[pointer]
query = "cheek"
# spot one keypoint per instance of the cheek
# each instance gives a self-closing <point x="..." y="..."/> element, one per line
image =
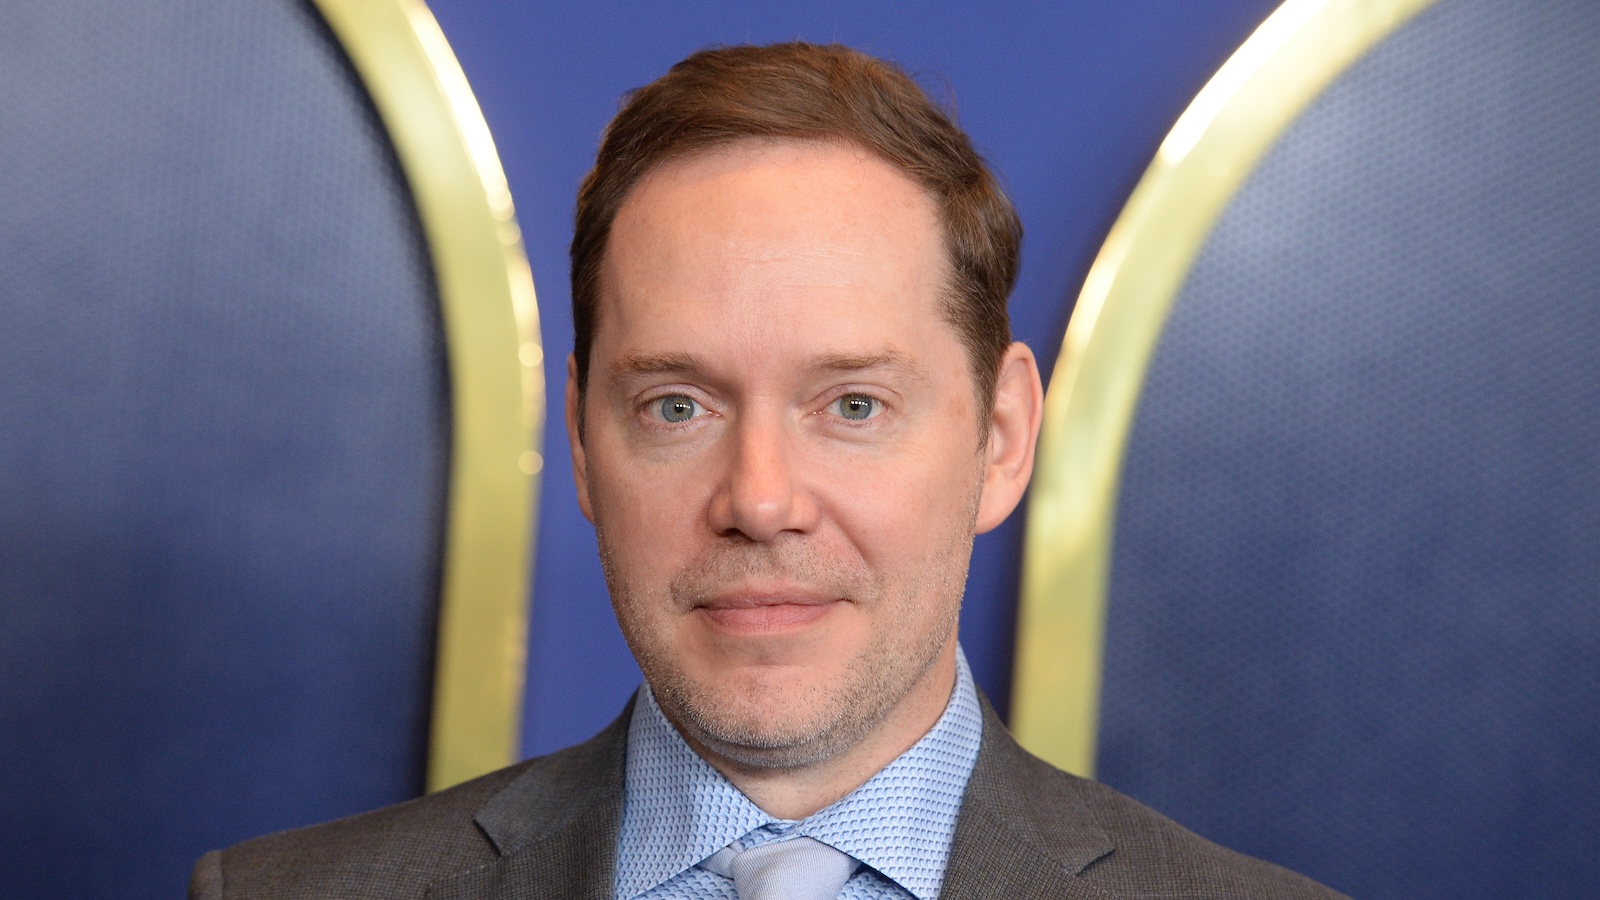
<point x="624" y="488"/>
<point x="653" y="513"/>
<point x="899" y="513"/>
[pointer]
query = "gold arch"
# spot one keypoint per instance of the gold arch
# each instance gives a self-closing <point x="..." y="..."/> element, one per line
<point x="1118" y="318"/>
<point x="496" y="375"/>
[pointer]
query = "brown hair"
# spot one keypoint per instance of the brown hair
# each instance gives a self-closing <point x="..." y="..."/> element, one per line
<point x="800" y="91"/>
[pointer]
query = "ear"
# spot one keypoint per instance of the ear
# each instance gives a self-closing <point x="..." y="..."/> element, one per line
<point x="1013" y="432"/>
<point x="580" y="466"/>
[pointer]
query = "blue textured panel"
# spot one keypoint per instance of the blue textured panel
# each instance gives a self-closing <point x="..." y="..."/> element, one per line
<point x="222" y="441"/>
<point x="1353" y="623"/>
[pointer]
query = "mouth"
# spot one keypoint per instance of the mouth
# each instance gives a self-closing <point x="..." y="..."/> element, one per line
<point x="764" y="612"/>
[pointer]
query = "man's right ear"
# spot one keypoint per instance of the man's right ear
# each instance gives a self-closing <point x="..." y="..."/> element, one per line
<point x="580" y="465"/>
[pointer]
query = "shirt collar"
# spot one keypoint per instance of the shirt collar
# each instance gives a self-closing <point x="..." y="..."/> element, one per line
<point x="678" y="810"/>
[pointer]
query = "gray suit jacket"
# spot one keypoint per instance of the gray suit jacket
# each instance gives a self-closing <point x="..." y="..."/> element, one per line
<point x="547" y="828"/>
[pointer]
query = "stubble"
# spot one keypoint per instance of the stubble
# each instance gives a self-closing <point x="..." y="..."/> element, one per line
<point x="776" y="721"/>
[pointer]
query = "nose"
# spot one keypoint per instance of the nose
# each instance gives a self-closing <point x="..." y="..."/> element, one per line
<point x="762" y="492"/>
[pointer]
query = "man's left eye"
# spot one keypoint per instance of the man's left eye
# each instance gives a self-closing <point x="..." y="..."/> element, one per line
<point x="857" y="407"/>
<point x="676" y="408"/>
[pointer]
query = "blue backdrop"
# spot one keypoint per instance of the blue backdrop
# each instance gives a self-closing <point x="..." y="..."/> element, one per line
<point x="222" y="468"/>
<point x="223" y="442"/>
<point x="1068" y="101"/>
<point x="1351" y="624"/>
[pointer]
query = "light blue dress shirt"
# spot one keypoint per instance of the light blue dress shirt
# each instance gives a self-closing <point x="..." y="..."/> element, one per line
<point x="678" y="810"/>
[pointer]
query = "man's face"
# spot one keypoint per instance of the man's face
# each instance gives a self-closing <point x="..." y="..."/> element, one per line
<point x="781" y="452"/>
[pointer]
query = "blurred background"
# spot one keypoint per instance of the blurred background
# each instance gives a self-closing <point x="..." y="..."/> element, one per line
<point x="1352" y="621"/>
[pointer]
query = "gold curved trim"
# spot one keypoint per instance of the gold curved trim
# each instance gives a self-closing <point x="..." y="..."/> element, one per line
<point x="1089" y="408"/>
<point x="496" y="375"/>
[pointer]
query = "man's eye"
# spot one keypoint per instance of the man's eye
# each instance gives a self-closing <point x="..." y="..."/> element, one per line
<point x="857" y="407"/>
<point x="676" y="408"/>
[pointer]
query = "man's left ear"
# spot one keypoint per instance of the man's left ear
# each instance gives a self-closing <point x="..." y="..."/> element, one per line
<point x="1013" y="432"/>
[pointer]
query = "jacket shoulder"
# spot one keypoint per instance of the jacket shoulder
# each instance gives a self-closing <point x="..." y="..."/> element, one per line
<point x="395" y="851"/>
<point x="1060" y="835"/>
<point x="1157" y="857"/>
<point x="400" y="850"/>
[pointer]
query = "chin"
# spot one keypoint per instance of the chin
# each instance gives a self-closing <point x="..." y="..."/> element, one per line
<point x="765" y="719"/>
<point x="766" y="743"/>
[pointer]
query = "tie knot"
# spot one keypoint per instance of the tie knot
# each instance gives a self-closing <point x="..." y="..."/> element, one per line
<point x="794" y="869"/>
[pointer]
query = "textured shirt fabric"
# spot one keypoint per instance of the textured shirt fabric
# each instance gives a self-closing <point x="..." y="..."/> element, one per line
<point x="678" y="810"/>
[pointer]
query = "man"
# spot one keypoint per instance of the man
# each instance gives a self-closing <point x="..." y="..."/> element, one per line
<point x="792" y="403"/>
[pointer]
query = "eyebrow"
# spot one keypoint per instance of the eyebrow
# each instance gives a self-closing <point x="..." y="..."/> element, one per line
<point x="635" y="365"/>
<point x="847" y="362"/>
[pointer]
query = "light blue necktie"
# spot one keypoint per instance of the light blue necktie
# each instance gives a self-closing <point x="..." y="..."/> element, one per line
<point x="794" y="869"/>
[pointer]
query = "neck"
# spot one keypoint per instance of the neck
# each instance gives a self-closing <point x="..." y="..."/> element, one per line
<point x="798" y="791"/>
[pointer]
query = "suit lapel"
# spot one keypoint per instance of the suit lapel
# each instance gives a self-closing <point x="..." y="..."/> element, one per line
<point x="1023" y="830"/>
<point x="555" y="827"/>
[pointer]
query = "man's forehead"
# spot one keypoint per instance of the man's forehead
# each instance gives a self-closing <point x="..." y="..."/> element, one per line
<point x="741" y="228"/>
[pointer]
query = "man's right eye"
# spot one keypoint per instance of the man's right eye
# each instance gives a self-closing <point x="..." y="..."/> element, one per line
<point x="676" y="408"/>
